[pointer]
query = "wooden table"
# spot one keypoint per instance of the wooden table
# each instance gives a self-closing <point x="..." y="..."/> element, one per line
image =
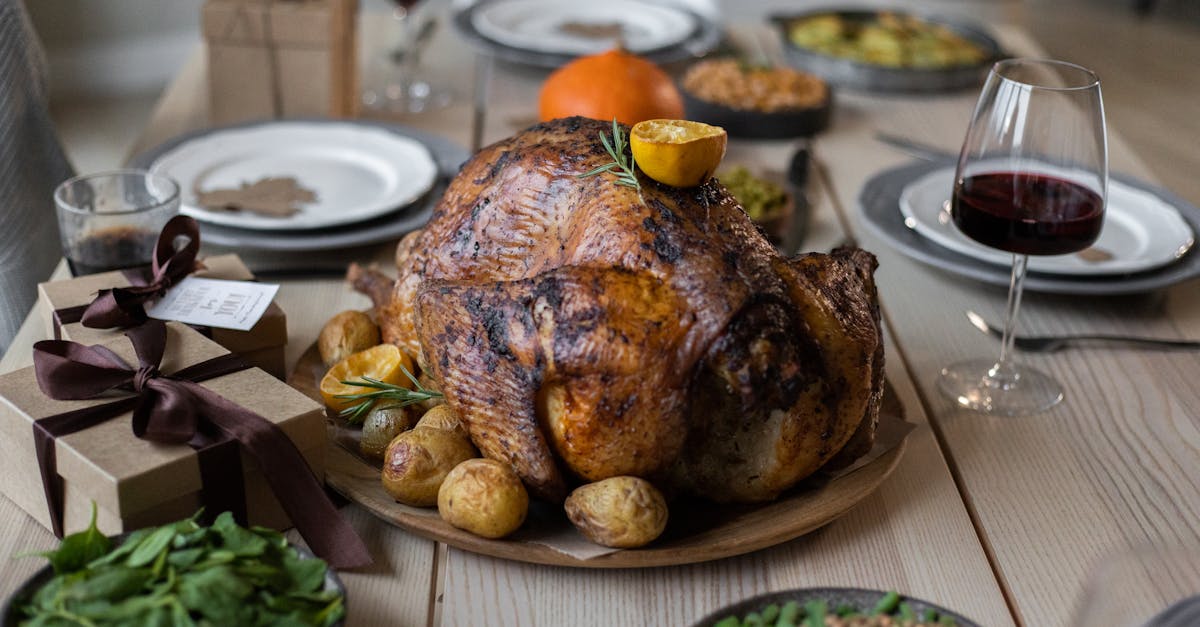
<point x="999" y="518"/>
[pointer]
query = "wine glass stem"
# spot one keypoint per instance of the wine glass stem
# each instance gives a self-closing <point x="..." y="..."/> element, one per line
<point x="1003" y="372"/>
<point x="408" y="62"/>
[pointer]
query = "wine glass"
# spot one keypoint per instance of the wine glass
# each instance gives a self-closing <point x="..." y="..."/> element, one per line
<point x="1032" y="179"/>
<point x="1148" y="586"/>
<point x="405" y="88"/>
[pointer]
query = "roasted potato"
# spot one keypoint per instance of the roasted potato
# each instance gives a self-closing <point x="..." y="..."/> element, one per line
<point x="621" y="512"/>
<point x="417" y="461"/>
<point x="485" y="497"/>
<point x="345" y="334"/>
<point x="443" y="417"/>
<point x="427" y="381"/>
<point x="383" y="423"/>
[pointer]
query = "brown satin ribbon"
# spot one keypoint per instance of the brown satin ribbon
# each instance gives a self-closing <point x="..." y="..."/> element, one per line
<point x="124" y="307"/>
<point x="177" y="410"/>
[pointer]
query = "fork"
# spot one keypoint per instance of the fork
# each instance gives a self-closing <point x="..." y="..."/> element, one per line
<point x="1051" y="343"/>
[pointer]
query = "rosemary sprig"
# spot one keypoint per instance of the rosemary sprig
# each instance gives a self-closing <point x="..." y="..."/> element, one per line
<point x="381" y="391"/>
<point x="625" y="164"/>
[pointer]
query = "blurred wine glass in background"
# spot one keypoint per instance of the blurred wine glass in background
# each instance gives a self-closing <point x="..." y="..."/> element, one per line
<point x="401" y="85"/>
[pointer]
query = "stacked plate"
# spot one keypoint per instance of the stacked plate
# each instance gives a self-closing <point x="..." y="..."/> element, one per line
<point x="549" y="33"/>
<point x="367" y="182"/>
<point x="1146" y="243"/>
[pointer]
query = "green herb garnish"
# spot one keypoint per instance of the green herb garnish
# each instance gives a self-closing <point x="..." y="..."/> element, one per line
<point x="183" y="574"/>
<point x="625" y="164"/>
<point x="381" y="391"/>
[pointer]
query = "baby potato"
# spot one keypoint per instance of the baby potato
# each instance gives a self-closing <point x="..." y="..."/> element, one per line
<point x="443" y="417"/>
<point x="621" y="512"/>
<point x="417" y="461"/>
<point x="383" y="423"/>
<point x="485" y="497"/>
<point x="345" y="334"/>
<point x="427" y="381"/>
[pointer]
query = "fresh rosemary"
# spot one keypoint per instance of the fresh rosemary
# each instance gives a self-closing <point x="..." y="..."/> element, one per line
<point x="616" y="149"/>
<point x="381" y="391"/>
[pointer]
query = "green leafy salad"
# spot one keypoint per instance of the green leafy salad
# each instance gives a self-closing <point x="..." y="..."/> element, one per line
<point x="183" y="574"/>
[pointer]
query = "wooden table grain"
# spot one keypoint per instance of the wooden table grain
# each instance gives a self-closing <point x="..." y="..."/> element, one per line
<point x="998" y="518"/>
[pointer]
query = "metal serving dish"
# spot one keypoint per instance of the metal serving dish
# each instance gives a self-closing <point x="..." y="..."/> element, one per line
<point x="876" y="78"/>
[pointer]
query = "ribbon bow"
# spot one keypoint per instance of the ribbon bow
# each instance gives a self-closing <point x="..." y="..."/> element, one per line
<point x="124" y="307"/>
<point x="175" y="409"/>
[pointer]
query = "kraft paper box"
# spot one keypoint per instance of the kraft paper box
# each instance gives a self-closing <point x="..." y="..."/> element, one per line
<point x="281" y="59"/>
<point x="137" y="483"/>
<point x="262" y="346"/>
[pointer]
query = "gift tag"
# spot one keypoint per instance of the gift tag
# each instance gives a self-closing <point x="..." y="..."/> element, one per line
<point x="236" y="305"/>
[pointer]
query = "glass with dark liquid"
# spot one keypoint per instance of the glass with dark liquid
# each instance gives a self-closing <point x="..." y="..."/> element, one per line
<point x="111" y="220"/>
<point x="1032" y="179"/>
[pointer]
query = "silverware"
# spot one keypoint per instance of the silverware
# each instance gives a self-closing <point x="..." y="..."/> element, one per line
<point x="915" y="148"/>
<point x="1051" y="343"/>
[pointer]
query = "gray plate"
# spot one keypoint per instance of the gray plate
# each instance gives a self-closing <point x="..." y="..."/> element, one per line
<point x="865" y="600"/>
<point x="863" y="76"/>
<point x="449" y="156"/>
<point x="702" y="41"/>
<point x="879" y="204"/>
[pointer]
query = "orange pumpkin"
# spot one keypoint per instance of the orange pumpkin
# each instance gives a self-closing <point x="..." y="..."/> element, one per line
<point x="607" y="85"/>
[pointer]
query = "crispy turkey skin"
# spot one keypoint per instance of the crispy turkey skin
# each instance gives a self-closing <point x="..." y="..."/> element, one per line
<point x="586" y="330"/>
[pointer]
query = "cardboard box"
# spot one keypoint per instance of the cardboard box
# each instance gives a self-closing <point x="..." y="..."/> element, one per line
<point x="262" y="346"/>
<point x="270" y="59"/>
<point x="137" y="483"/>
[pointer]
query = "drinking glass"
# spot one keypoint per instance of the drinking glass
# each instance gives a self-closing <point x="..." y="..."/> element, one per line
<point x="111" y="220"/>
<point x="1144" y="587"/>
<point x="1032" y="179"/>
<point x="405" y="88"/>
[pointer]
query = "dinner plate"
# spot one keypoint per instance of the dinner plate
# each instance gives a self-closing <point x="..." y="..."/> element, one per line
<point x="696" y="531"/>
<point x="879" y="207"/>
<point x="575" y="28"/>
<point x="357" y="172"/>
<point x="1141" y="231"/>
<point x="448" y="155"/>
<point x="860" y="599"/>
<point x="853" y="74"/>
<point x="702" y="38"/>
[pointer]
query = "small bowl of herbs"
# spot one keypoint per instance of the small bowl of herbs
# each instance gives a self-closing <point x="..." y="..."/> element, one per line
<point x="834" y="607"/>
<point x="182" y="573"/>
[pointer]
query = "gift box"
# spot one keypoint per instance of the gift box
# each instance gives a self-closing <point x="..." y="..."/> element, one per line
<point x="281" y="58"/>
<point x="136" y="482"/>
<point x="262" y="346"/>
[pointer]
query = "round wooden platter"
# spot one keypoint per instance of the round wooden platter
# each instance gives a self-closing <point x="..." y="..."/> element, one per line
<point x="697" y="531"/>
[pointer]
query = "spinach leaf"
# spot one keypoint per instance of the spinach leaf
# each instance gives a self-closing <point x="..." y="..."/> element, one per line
<point x="79" y="548"/>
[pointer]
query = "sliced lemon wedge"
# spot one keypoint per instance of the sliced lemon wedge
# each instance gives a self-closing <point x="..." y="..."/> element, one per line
<point x="381" y="362"/>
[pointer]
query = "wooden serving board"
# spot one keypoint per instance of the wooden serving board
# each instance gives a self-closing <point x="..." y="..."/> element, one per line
<point x="696" y="532"/>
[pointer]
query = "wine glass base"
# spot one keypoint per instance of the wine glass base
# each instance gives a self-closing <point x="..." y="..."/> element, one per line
<point x="1023" y="391"/>
<point x="415" y="98"/>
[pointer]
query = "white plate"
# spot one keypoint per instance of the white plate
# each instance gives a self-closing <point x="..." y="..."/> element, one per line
<point x="537" y="25"/>
<point x="357" y="172"/>
<point x="1141" y="231"/>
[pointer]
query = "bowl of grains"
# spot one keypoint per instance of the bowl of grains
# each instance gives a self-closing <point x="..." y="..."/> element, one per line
<point x="756" y="101"/>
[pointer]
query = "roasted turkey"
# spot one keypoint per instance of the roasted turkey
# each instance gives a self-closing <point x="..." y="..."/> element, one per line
<point x="586" y="330"/>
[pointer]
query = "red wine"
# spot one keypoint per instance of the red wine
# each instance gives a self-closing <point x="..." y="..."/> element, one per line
<point x="1028" y="213"/>
<point x="115" y="248"/>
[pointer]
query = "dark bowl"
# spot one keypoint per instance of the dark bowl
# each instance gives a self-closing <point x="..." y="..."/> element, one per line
<point x="854" y="597"/>
<point x="9" y="618"/>
<point x="877" y="78"/>
<point x="757" y="124"/>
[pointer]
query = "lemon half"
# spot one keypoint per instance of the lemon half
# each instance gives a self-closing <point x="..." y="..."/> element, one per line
<point x="679" y="153"/>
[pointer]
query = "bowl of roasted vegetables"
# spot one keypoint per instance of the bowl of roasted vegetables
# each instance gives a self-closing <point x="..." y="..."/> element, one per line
<point x="888" y="51"/>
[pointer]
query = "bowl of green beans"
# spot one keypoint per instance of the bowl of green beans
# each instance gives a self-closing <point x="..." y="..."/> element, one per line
<point x="837" y="607"/>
